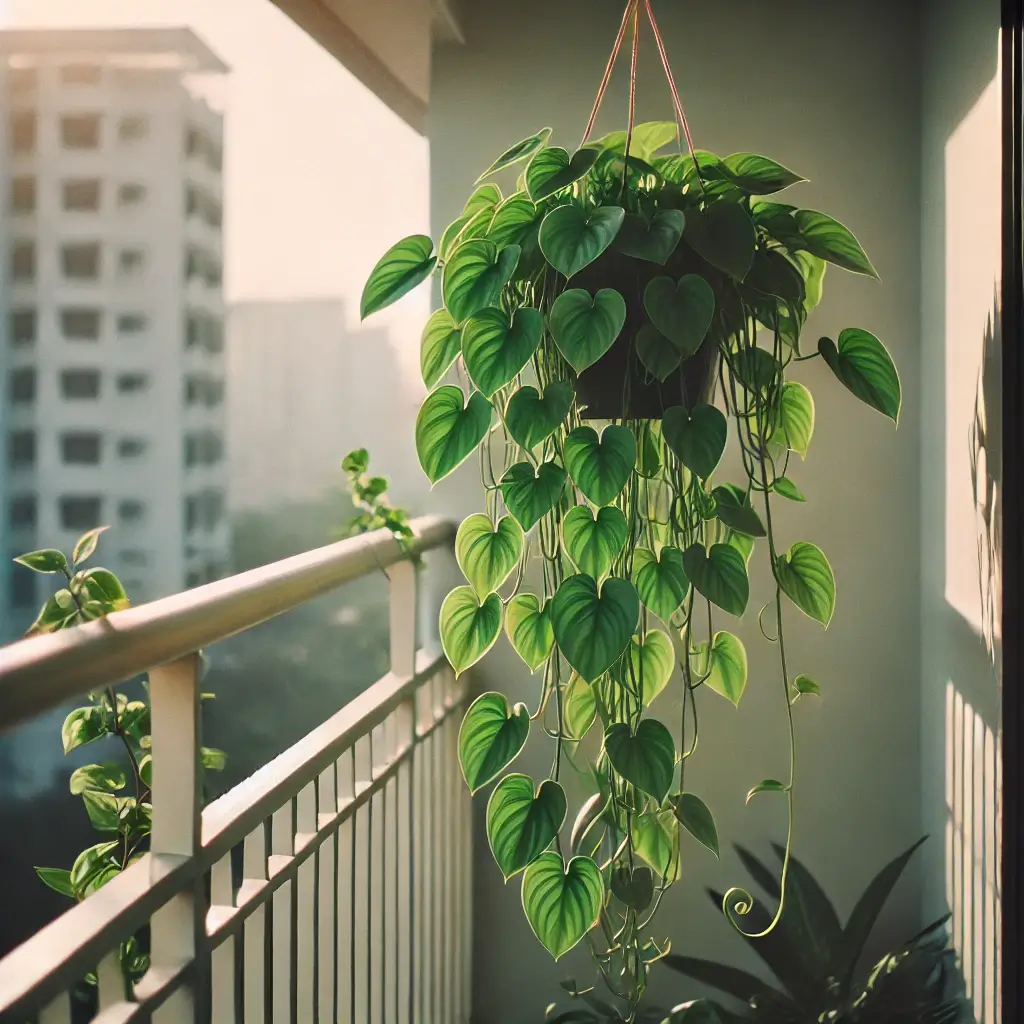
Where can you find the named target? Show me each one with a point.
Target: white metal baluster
(222, 977)
(421, 857)
(110, 980)
(448, 861)
(391, 902)
(254, 943)
(466, 924)
(405, 726)
(327, 899)
(361, 944)
(457, 869)
(305, 924)
(437, 814)
(58, 1011)
(282, 849)
(377, 872)
(177, 929)
(346, 891)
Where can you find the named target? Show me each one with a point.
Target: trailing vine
(663, 295)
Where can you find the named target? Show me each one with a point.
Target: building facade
(112, 349)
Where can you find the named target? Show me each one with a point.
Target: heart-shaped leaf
(806, 579)
(468, 628)
(562, 901)
(725, 662)
(486, 553)
(655, 240)
(515, 222)
(520, 151)
(864, 366)
(650, 663)
(755, 368)
(528, 626)
(682, 311)
(660, 356)
(490, 738)
(661, 581)
(579, 709)
(724, 235)
(646, 758)
(696, 817)
(648, 454)
(475, 275)
(633, 888)
(771, 273)
(522, 824)
(440, 345)
(532, 418)
(796, 416)
(530, 495)
(592, 628)
(592, 541)
(585, 327)
(484, 197)
(759, 175)
(600, 466)
(447, 432)
(823, 236)
(732, 506)
(656, 840)
(697, 438)
(398, 271)
(495, 349)
(571, 237)
(552, 169)
(720, 575)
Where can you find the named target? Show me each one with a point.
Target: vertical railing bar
(327, 901)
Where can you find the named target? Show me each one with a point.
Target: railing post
(403, 618)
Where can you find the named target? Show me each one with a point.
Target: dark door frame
(1012, 302)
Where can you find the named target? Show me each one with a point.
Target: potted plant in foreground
(664, 295)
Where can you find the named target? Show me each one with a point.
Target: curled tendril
(760, 624)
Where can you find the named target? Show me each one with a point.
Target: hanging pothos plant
(663, 295)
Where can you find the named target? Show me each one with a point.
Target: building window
(132, 383)
(23, 80)
(79, 512)
(80, 449)
(22, 385)
(131, 128)
(80, 383)
(130, 447)
(23, 261)
(23, 588)
(193, 578)
(81, 74)
(130, 195)
(82, 194)
(22, 130)
(22, 325)
(131, 511)
(134, 556)
(24, 511)
(23, 195)
(80, 131)
(130, 261)
(21, 448)
(131, 323)
(78, 324)
(80, 261)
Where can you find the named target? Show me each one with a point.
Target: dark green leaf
(91, 864)
(724, 235)
(864, 366)
(653, 240)
(720, 574)
(562, 901)
(697, 438)
(646, 758)
(83, 725)
(823, 236)
(695, 816)
(469, 628)
(571, 237)
(103, 586)
(475, 275)
(600, 466)
(682, 311)
(520, 151)
(804, 684)
(496, 349)
(528, 626)
(633, 888)
(356, 462)
(773, 274)
(46, 560)
(552, 169)
(755, 368)
(102, 809)
(490, 738)
(487, 553)
(439, 346)
(447, 432)
(585, 327)
(530, 494)
(54, 614)
(743, 986)
(592, 628)
(660, 356)
(521, 824)
(805, 577)
(58, 879)
(398, 271)
(532, 418)
(732, 506)
(787, 489)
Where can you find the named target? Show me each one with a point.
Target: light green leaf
(823, 236)
(83, 725)
(864, 366)
(571, 237)
(475, 275)
(484, 198)
(562, 901)
(600, 466)
(653, 240)
(724, 235)
(766, 786)
(102, 809)
(805, 576)
(796, 416)
(696, 817)
(105, 777)
(488, 553)
(732, 506)
(58, 879)
(495, 349)
(651, 663)
(579, 709)
(759, 175)
(397, 272)
(804, 684)
(725, 661)
(585, 327)
(520, 151)
(46, 560)
(682, 311)
(592, 628)
(102, 586)
(697, 438)
(447, 432)
(656, 840)
(646, 140)
(720, 575)
(528, 626)
(490, 738)
(86, 546)
(589, 815)
(532, 418)
(647, 758)
(812, 269)
(529, 495)
(552, 169)
(633, 888)
(520, 824)
(787, 489)
(593, 541)
(439, 346)
(661, 581)
(468, 628)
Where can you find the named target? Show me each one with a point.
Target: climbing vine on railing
(117, 793)
(369, 496)
(662, 294)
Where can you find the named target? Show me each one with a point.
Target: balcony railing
(349, 895)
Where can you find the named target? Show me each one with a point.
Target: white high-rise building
(111, 335)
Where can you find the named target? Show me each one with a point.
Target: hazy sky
(310, 200)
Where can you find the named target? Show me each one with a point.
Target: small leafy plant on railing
(369, 495)
(117, 793)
